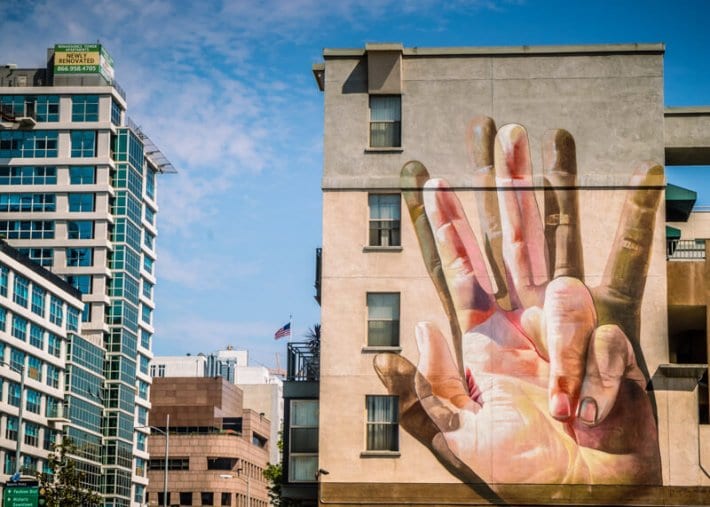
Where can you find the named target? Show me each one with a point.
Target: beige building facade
(495, 282)
(217, 451)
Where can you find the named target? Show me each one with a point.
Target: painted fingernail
(560, 406)
(588, 411)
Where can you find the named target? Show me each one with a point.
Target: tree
(63, 485)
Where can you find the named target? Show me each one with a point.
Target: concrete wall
(611, 101)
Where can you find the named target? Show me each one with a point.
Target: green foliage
(63, 485)
(274, 476)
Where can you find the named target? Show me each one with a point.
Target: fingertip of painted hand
(588, 411)
(559, 152)
(414, 169)
(560, 406)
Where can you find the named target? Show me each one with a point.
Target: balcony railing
(319, 263)
(303, 362)
(685, 249)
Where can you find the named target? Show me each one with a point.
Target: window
(80, 256)
(145, 341)
(38, 295)
(382, 319)
(19, 327)
(83, 143)
(42, 256)
(382, 423)
(385, 121)
(21, 294)
(33, 401)
(28, 175)
(31, 434)
(28, 202)
(27, 229)
(148, 264)
(3, 279)
(3, 320)
(36, 336)
(303, 441)
(207, 498)
(186, 498)
(82, 175)
(11, 428)
(157, 370)
(226, 499)
(147, 289)
(28, 144)
(72, 319)
(34, 368)
(85, 108)
(54, 345)
(150, 183)
(81, 202)
(56, 313)
(146, 314)
(80, 229)
(115, 113)
(384, 219)
(148, 239)
(221, 463)
(82, 283)
(52, 376)
(149, 215)
(13, 394)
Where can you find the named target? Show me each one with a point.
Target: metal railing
(319, 263)
(682, 249)
(303, 362)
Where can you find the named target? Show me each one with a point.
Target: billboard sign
(83, 59)
(20, 494)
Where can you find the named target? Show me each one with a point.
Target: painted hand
(546, 383)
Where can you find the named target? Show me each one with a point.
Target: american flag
(284, 330)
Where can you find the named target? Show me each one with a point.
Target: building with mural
(506, 317)
(217, 449)
(78, 193)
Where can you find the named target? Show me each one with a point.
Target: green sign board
(82, 59)
(20, 496)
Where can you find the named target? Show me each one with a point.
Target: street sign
(20, 494)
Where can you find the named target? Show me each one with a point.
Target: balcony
(685, 249)
(303, 362)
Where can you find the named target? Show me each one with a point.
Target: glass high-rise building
(78, 194)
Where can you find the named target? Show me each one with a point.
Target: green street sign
(20, 495)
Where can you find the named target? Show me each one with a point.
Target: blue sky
(225, 89)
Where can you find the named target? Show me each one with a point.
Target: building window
(19, 327)
(54, 345)
(382, 423)
(385, 121)
(226, 499)
(3, 279)
(33, 401)
(3, 321)
(146, 314)
(382, 319)
(36, 336)
(149, 215)
(147, 289)
(42, 256)
(31, 434)
(83, 143)
(157, 370)
(82, 175)
(148, 264)
(82, 283)
(81, 202)
(34, 368)
(85, 108)
(115, 113)
(80, 229)
(11, 428)
(38, 295)
(52, 376)
(28, 202)
(303, 441)
(28, 175)
(72, 319)
(27, 229)
(186, 498)
(28, 144)
(21, 294)
(13, 394)
(207, 498)
(384, 219)
(56, 313)
(80, 256)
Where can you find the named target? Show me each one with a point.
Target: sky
(224, 88)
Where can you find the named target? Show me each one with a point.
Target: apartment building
(491, 247)
(217, 449)
(79, 193)
(39, 318)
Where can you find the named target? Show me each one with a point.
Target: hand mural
(547, 382)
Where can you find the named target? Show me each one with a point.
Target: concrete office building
(261, 388)
(218, 448)
(78, 195)
(39, 317)
(470, 324)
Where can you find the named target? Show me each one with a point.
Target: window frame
(376, 204)
(394, 338)
(372, 422)
(376, 109)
